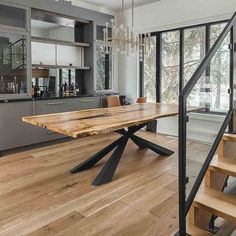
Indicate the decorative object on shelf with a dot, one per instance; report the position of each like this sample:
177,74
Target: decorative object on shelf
123,39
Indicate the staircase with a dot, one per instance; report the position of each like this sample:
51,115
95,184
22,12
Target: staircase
206,200
210,200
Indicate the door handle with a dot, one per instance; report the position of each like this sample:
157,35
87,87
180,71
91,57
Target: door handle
87,100
50,132
55,103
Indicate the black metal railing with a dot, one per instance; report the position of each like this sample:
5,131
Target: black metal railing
185,204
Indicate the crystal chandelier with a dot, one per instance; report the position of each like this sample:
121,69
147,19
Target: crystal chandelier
123,39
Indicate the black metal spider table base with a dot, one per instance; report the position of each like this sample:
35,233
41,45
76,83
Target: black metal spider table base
108,171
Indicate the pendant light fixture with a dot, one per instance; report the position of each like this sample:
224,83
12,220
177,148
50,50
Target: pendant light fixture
123,39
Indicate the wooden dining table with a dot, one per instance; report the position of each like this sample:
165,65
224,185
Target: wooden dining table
124,120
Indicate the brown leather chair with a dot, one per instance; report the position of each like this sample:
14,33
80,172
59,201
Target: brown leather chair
113,101
141,100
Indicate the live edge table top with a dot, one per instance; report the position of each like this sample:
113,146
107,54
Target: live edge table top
102,120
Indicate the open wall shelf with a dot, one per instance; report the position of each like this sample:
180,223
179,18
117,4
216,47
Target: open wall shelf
59,42
60,67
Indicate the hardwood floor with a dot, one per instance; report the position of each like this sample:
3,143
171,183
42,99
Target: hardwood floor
38,196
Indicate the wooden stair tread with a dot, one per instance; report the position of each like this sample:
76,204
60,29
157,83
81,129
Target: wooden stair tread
195,231
217,203
229,137
224,165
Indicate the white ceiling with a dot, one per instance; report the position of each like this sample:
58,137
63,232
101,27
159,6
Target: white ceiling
116,4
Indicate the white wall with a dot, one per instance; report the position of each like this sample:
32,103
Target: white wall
168,14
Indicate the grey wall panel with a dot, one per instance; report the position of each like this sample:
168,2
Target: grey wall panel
65,9
89,58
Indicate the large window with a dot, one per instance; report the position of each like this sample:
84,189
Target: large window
170,67
193,53
150,73
177,55
194,50
220,71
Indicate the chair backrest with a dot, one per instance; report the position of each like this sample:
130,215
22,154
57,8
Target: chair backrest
141,100
113,101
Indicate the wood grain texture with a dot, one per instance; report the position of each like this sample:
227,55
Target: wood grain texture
217,203
224,165
39,197
195,231
229,137
103,120
211,199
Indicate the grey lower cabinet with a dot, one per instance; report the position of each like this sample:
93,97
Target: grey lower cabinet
15,133
65,105
89,103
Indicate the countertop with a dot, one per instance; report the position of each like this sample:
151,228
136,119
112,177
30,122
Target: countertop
53,98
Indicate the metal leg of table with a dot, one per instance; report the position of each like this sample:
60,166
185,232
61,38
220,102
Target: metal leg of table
108,171
129,134
87,164
143,143
152,146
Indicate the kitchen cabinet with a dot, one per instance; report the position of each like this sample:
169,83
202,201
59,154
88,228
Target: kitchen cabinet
13,16
14,132
65,105
89,103
18,134
15,64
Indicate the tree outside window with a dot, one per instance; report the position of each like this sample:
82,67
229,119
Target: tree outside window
211,90
170,67
150,72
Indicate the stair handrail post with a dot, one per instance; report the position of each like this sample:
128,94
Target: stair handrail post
182,164
184,206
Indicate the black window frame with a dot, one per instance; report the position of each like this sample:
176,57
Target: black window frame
158,35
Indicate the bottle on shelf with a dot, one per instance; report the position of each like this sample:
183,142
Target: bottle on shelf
16,86
38,91
33,90
2,87
77,90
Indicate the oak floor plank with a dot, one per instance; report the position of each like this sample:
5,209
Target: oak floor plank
58,225
38,195
111,221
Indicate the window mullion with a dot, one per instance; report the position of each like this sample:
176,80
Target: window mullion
207,48
158,66
181,60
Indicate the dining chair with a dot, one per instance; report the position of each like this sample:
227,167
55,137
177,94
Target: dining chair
151,126
113,101
141,100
